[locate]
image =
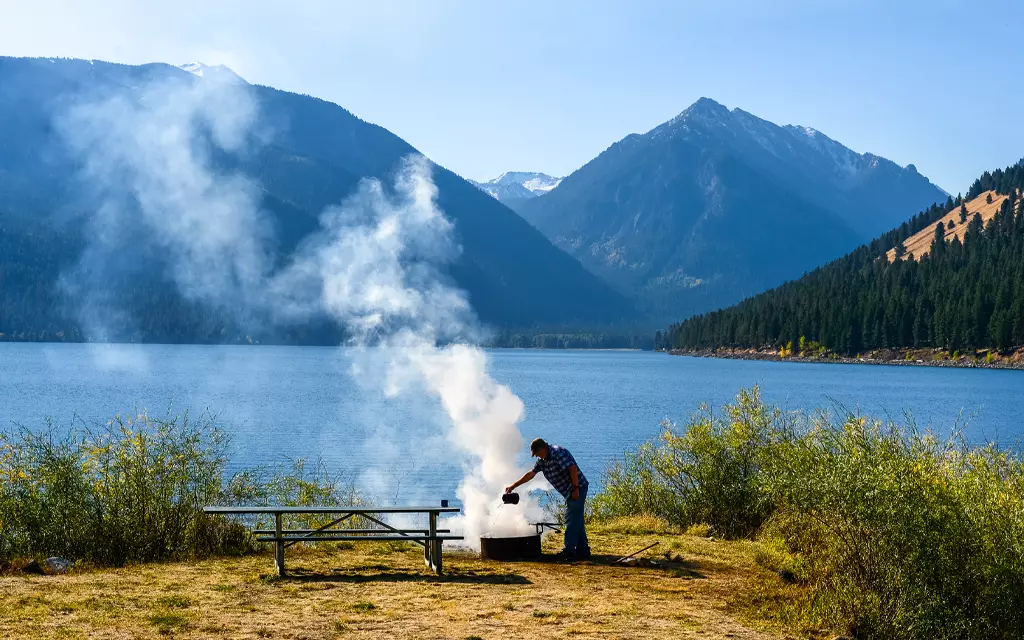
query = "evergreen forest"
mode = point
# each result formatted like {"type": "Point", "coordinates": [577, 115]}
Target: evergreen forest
{"type": "Point", "coordinates": [957, 296]}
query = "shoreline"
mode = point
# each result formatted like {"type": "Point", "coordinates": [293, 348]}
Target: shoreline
{"type": "Point", "coordinates": [314, 346]}
{"type": "Point", "coordinates": [891, 357]}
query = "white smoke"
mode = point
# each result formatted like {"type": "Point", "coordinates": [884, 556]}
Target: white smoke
{"type": "Point", "coordinates": [376, 264]}
{"type": "Point", "coordinates": [373, 266]}
{"type": "Point", "coordinates": [147, 159]}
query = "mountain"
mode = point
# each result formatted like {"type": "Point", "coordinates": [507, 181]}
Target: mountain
{"type": "Point", "coordinates": [950, 278]}
{"type": "Point", "coordinates": [314, 157]}
{"type": "Point", "coordinates": [717, 204]}
{"type": "Point", "coordinates": [215, 72]}
{"type": "Point", "coordinates": [513, 187]}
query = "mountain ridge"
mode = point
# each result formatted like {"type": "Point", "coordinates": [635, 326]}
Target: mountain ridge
{"type": "Point", "coordinates": [687, 213]}
{"type": "Point", "coordinates": [316, 156]}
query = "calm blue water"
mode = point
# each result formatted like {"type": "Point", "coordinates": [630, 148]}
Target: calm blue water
{"type": "Point", "coordinates": [303, 402]}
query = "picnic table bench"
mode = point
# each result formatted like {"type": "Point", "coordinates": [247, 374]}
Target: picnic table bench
{"type": "Point", "coordinates": [430, 537]}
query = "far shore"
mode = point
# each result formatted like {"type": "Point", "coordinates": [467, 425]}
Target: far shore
{"type": "Point", "coordinates": [280, 344]}
{"type": "Point", "coordinates": [892, 357]}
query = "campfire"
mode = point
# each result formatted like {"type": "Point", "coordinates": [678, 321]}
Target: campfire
{"type": "Point", "coordinates": [517, 544]}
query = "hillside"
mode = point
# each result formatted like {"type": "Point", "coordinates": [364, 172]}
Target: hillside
{"type": "Point", "coordinates": [963, 291]}
{"type": "Point", "coordinates": [717, 204]}
{"type": "Point", "coordinates": [986, 205]}
{"type": "Point", "coordinates": [305, 154]}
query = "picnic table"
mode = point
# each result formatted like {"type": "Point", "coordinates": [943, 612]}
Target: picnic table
{"type": "Point", "coordinates": [430, 537]}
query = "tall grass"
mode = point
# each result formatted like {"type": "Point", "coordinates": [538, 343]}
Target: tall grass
{"type": "Point", "coordinates": [133, 489]}
{"type": "Point", "coordinates": [896, 533]}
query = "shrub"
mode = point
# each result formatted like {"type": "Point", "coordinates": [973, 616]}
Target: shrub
{"type": "Point", "coordinates": [903, 535]}
{"type": "Point", "coordinates": [897, 534]}
{"type": "Point", "coordinates": [129, 491]}
{"type": "Point", "coordinates": [706, 474]}
{"type": "Point", "coordinates": [132, 490]}
{"type": "Point", "coordinates": [702, 530]}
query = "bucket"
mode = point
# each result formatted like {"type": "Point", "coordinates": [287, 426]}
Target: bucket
{"type": "Point", "coordinates": [510, 498]}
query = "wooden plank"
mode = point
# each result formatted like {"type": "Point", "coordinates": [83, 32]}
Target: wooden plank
{"type": "Point", "coordinates": [333, 538]}
{"type": "Point", "coordinates": [357, 510]}
{"type": "Point", "coordinates": [270, 532]}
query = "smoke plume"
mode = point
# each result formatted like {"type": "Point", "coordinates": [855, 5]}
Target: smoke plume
{"type": "Point", "coordinates": [375, 265]}
{"type": "Point", "coordinates": [377, 261]}
{"type": "Point", "coordinates": [146, 161]}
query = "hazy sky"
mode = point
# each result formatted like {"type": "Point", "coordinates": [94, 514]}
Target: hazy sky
{"type": "Point", "coordinates": [484, 87]}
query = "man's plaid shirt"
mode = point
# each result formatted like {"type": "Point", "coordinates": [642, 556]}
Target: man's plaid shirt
{"type": "Point", "coordinates": [556, 469]}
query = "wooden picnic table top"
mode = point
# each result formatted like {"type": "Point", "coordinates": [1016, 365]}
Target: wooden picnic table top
{"type": "Point", "coordinates": [273, 509]}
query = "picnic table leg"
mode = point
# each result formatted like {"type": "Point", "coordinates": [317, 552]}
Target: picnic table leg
{"type": "Point", "coordinates": [434, 545]}
{"type": "Point", "coordinates": [437, 564]}
{"type": "Point", "coordinates": [279, 555]}
{"type": "Point", "coordinates": [428, 556]}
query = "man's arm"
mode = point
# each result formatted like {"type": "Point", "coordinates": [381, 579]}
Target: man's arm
{"type": "Point", "coordinates": [574, 479]}
{"type": "Point", "coordinates": [529, 475]}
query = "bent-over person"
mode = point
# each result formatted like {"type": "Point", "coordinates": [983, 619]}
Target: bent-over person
{"type": "Point", "coordinates": [561, 470]}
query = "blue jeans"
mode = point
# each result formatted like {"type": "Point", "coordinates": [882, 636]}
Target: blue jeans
{"type": "Point", "coordinates": [575, 531]}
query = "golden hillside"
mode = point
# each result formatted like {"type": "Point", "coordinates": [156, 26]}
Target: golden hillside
{"type": "Point", "coordinates": [921, 242]}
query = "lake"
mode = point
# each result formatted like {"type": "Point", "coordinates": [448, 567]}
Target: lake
{"type": "Point", "coordinates": [282, 403]}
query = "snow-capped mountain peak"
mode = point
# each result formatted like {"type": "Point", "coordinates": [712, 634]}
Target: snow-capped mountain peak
{"type": "Point", "coordinates": [513, 186]}
{"type": "Point", "coordinates": [212, 72]}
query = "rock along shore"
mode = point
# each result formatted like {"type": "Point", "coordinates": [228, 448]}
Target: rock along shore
{"type": "Point", "coordinates": [892, 357]}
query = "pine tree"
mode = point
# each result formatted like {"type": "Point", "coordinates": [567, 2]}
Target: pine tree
{"type": "Point", "coordinates": [939, 239]}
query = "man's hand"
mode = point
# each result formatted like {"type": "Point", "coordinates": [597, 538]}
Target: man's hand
{"type": "Point", "coordinates": [575, 493]}
{"type": "Point", "coordinates": [509, 488]}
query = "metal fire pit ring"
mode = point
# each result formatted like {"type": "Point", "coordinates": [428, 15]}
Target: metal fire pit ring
{"type": "Point", "coordinates": [511, 548]}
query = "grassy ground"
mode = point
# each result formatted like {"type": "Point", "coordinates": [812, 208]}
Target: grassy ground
{"type": "Point", "coordinates": [374, 590]}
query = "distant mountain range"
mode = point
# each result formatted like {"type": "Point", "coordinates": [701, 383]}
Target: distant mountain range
{"type": "Point", "coordinates": [717, 204]}
{"type": "Point", "coordinates": [938, 288]}
{"type": "Point", "coordinates": [314, 158]}
{"type": "Point", "coordinates": [513, 187]}
{"type": "Point", "coordinates": [698, 213]}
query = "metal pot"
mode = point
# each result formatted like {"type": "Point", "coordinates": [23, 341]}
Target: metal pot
{"type": "Point", "coordinates": [510, 498]}
{"type": "Point", "coordinates": [514, 548]}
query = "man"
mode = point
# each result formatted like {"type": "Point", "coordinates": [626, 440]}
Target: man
{"type": "Point", "coordinates": [560, 469]}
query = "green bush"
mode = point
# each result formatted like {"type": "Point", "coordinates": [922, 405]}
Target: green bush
{"type": "Point", "coordinates": [903, 535]}
{"type": "Point", "coordinates": [706, 474]}
{"type": "Point", "coordinates": [897, 534]}
{"type": "Point", "coordinates": [133, 490]}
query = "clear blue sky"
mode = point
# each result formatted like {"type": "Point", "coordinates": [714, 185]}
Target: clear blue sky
{"type": "Point", "coordinates": [483, 87]}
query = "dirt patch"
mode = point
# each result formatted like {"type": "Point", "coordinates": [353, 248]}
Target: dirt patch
{"type": "Point", "coordinates": [920, 243]}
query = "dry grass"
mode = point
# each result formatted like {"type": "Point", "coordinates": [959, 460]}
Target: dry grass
{"type": "Point", "coordinates": [375, 590]}
{"type": "Point", "coordinates": [921, 242]}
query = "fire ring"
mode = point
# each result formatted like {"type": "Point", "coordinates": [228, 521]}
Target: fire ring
{"type": "Point", "coordinates": [512, 548]}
